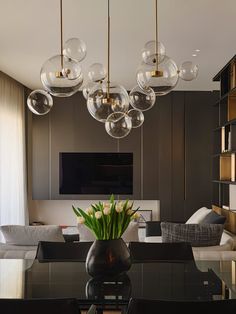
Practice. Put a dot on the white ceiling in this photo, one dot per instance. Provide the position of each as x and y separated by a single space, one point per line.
29 35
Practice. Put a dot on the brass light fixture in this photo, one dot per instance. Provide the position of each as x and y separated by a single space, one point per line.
61 75
158 71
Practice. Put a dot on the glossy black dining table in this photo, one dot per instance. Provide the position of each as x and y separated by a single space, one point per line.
203 280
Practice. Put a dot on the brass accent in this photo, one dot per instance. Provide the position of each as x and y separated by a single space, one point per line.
156 28
108 101
61 34
59 74
231 107
225 168
108 47
157 73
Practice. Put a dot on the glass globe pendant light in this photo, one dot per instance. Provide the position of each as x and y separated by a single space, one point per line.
75 48
158 71
188 71
118 125
106 97
137 117
141 99
39 102
61 76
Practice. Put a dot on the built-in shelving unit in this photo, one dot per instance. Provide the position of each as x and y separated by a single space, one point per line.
224 145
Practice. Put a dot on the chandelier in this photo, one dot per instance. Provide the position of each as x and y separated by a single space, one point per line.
158 74
61 75
108 102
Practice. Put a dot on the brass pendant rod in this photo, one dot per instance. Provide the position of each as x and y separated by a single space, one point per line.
156 34
108 48
61 34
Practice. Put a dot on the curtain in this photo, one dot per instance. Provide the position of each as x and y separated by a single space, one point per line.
13 196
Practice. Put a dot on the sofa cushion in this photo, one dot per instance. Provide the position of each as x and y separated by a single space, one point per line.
213 218
199 215
130 234
196 234
31 235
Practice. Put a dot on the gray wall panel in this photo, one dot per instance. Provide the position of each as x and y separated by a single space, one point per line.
158 148
40 157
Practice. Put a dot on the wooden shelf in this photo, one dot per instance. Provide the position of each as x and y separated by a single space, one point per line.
230 215
224 144
224 182
217 77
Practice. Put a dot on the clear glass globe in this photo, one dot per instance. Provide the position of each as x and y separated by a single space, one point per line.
87 89
188 71
39 102
162 79
75 49
61 76
137 117
104 99
141 99
97 72
151 55
118 124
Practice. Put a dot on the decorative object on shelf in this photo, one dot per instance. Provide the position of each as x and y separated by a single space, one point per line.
158 72
61 75
108 255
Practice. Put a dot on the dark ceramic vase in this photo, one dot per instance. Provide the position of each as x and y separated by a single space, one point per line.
107 258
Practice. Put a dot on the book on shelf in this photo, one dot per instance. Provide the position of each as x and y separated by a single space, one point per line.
232 75
223 139
233 167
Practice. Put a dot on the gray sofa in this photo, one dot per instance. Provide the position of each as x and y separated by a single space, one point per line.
226 250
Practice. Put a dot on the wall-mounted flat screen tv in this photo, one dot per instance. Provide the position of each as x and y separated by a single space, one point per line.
96 173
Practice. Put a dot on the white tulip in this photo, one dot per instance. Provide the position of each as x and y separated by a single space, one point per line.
119 208
81 220
98 215
89 210
130 212
106 211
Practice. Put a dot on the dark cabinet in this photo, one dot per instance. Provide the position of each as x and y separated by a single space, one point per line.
184 127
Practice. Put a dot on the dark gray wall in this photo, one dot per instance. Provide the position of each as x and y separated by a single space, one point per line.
172 151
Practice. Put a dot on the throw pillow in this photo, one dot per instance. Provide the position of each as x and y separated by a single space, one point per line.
131 233
213 218
85 234
198 216
196 234
31 235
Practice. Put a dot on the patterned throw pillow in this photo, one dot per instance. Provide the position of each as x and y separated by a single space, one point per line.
196 234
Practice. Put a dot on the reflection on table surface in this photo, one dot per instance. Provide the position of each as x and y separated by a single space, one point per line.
207 280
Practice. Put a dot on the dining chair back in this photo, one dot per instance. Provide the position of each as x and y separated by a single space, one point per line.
62 251
139 306
147 252
39 306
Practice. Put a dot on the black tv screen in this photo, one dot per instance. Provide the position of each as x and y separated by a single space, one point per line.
96 173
